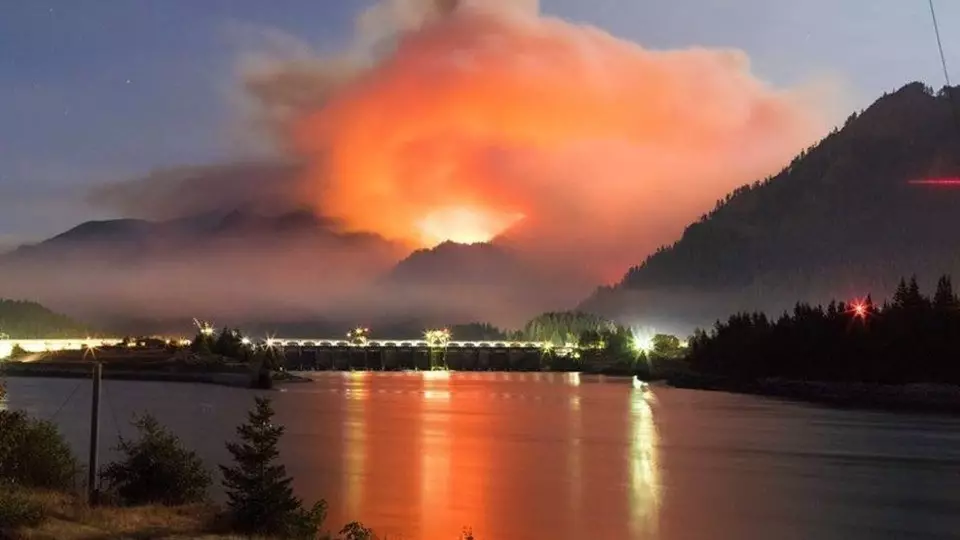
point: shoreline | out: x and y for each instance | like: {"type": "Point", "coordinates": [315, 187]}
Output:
{"type": "Point", "coordinates": [231, 378]}
{"type": "Point", "coordinates": [224, 378]}
{"type": "Point", "coordinates": [930, 398]}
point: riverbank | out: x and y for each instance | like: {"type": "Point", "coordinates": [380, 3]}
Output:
{"type": "Point", "coordinates": [68, 517]}
{"type": "Point", "coordinates": [926, 398]}
{"type": "Point", "coordinates": [238, 378]}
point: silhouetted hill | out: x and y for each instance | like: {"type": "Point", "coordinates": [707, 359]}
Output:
{"type": "Point", "coordinates": [455, 264]}
{"type": "Point", "coordinates": [461, 283]}
{"type": "Point", "coordinates": [130, 238]}
{"type": "Point", "coordinates": [236, 266]}
{"type": "Point", "coordinates": [29, 320]}
{"type": "Point", "coordinates": [843, 218]}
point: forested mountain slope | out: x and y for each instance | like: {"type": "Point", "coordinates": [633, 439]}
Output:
{"type": "Point", "coordinates": [845, 217]}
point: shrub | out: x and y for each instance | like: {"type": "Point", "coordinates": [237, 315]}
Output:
{"type": "Point", "coordinates": [34, 454]}
{"type": "Point", "coordinates": [260, 498]}
{"type": "Point", "coordinates": [16, 510]}
{"type": "Point", "coordinates": [356, 531]}
{"type": "Point", "coordinates": [156, 469]}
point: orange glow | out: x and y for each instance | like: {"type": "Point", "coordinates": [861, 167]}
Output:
{"type": "Point", "coordinates": [481, 121]}
{"type": "Point", "coordinates": [463, 225]}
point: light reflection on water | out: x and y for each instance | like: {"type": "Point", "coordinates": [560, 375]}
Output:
{"type": "Point", "coordinates": [563, 457]}
{"type": "Point", "coordinates": [355, 456]}
{"type": "Point", "coordinates": [644, 468]}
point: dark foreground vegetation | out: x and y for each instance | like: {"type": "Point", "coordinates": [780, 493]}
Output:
{"type": "Point", "coordinates": [836, 352]}
{"type": "Point", "coordinates": [156, 489]}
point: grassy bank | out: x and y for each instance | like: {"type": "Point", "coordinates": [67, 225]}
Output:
{"type": "Point", "coordinates": [68, 517]}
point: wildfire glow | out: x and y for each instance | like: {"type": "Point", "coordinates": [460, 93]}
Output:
{"type": "Point", "coordinates": [464, 225]}
{"type": "Point", "coordinates": [483, 118]}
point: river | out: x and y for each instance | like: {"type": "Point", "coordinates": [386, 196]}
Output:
{"type": "Point", "coordinates": [563, 457]}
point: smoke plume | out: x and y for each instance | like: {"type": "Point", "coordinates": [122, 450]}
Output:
{"type": "Point", "coordinates": [480, 120]}
{"type": "Point", "coordinates": [468, 120]}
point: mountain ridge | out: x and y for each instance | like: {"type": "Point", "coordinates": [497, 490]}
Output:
{"type": "Point", "coordinates": [841, 217]}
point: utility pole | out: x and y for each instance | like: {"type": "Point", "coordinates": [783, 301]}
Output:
{"type": "Point", "coordinates": [93, 492]}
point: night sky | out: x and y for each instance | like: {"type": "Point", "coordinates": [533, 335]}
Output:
{"type": "Point", "coordinates": [106, 90]}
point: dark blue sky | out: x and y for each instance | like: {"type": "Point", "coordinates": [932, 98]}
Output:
{"type": "Point", "coordinates": [102, 90]}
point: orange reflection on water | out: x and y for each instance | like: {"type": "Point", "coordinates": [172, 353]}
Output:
{"type": "Point", "coordinates": [436, 439]}
{"type": "Point", "coordinates": [355, 456]}
{"type": "Point", "coordinates": [644, 467]}
{"type": "Point", "coordinates": [518, 456]}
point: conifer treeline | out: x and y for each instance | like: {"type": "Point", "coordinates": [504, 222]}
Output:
{"type": "Point", "coordinates": [913, 338]}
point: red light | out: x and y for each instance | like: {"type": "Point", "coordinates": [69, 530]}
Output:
{"type": "Point", "coordinates": [942, 182]}
{"type": "Point", "coordinates": [860, 308]}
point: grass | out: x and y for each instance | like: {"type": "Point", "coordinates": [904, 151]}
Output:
{"type": "Point", "coordinates": [68, 517]}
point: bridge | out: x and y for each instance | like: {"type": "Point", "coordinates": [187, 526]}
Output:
{"type": "Point", "coordinates": [417, 343]}
{"type": "Point", "coordinates": [76, 344]}
{"type": "Point", "coordinates": [383, 354]}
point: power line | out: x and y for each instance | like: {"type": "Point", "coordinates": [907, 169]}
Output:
{"type": "Point", "coordinates": [64, 404]}
{"type": "Point", "coordinates": [936, 30]}
{"type": "Point", "coordinates": [950, 93]}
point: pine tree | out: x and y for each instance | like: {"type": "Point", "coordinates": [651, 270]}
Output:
{"type": "Point", "coordinates": [260, 497]}
{"type": "Point", "coordinates": [944, 299]}
{"type": "Point", "coordinates": [900, 297]}
{"type": "Point", "coordinates": [915, 297]}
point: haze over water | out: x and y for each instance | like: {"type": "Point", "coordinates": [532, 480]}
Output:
{"type": "Point", "coordinates": [536, 456]}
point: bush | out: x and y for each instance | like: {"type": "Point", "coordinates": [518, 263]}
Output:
{"type": "Point", "coordinates": [356, 531]}
{"type": "Point", "coordinates": [34, 454]}
{"type": "Point", "coordinates": [17, 511]}
{"type": "Point", "coordinates": [261, 500]}
{"type": "Point", "coordinates": [156, 469]}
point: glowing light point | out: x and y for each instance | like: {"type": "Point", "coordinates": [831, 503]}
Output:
{"type": "Point", "coordinates": [860, 308]}
{"type": "Point", "coordinates": [437, 338]}
{"type": "Point", "coordinates": [642, 341]}
{"type": "Point", "coordinates": [643, 344]}
{"type": "Point", "coordinates": [359, 337]}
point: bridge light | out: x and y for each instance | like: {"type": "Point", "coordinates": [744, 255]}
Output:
{"type": "Point", "coordinates": [437, 338]}
{"type": "Point", "coordinates": [642, 344]}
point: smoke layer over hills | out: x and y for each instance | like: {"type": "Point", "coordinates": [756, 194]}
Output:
{"type": "Point", "coordinates": [483, 120]}
{"type": "Point", "coordinates": [473, 120]}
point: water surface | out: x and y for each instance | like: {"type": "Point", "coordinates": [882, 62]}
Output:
{"type": "Point", "coordinates": [563, 457]}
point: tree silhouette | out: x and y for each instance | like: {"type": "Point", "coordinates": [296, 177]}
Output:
{"type": "Point", "coordinates": [260, 496]}
{"type": "Point", "coordinates": [907, 340]}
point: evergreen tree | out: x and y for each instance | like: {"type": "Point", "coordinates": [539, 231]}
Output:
{"type": "Point", "coordinates": [202, 344]}
{"type": "Point", "coordinates": [260, 497]}
{"type": "Point", "coordinates": [230, 344]}
{"type": "Point", "coordinates": [915, 298]}
{"type": "Point", "coordinates": [901, 295]}
{"type": "Point", "coordinates": [944, 299]}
